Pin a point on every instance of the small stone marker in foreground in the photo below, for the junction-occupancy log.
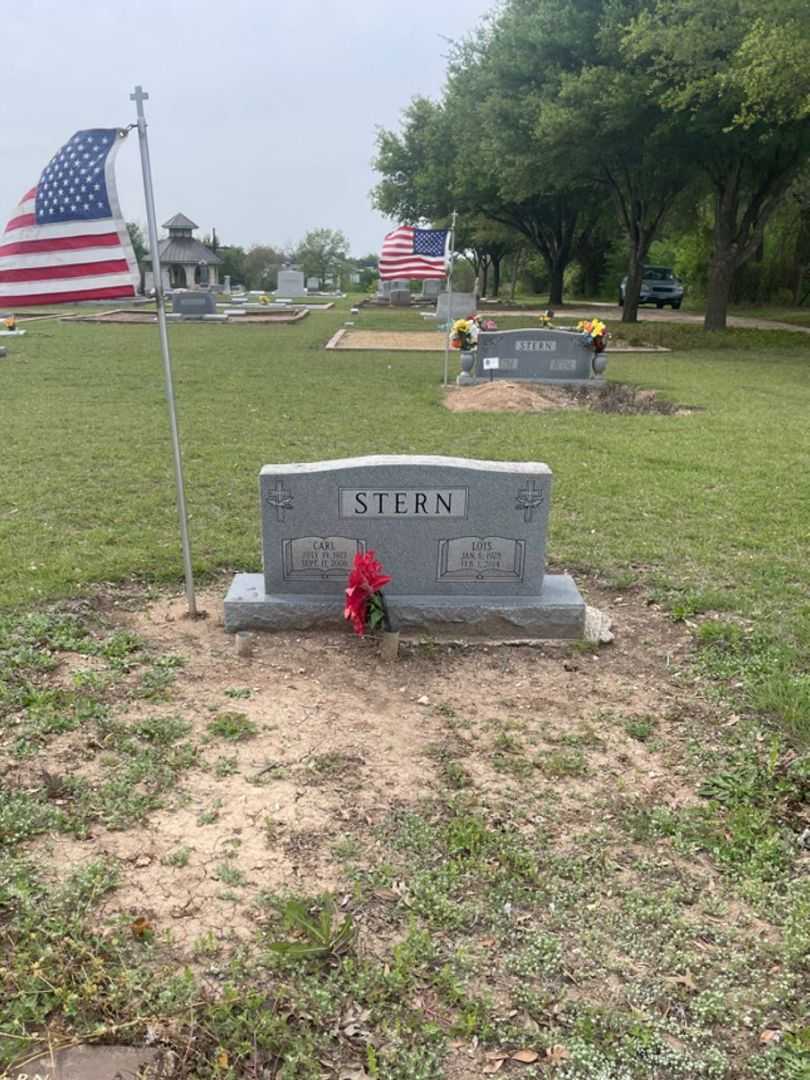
(549, 356)
(194, 305)
(463, 305)
(464, 541)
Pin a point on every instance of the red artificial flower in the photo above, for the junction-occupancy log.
(365, 579)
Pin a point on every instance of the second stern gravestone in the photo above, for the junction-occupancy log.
(464, 541)
(549, 356)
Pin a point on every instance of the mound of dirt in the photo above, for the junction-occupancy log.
(504, 396)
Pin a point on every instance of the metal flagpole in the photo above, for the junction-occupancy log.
(139, 97)
(449, 295)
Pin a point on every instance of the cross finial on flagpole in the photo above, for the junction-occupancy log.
(139, 96)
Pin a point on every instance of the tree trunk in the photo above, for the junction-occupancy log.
(556, 271)
(484, 276)
(496, 275)
(632, 288)
(516, 261)
(721, 278)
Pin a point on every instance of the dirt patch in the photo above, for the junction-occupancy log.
(341, 740)
(508, 396)
(434, 341)
(392, 341)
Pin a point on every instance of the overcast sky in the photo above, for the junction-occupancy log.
(261, 114)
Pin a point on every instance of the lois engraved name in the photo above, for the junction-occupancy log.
(427, 502)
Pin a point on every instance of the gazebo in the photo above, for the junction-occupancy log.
(185, 262)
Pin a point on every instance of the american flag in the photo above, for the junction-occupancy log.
(413, 253)
(67, 240)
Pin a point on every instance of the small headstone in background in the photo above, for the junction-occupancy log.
(431, 288)
(464, 541)
(227, 283)
(400, 297)
(194, 305)
(463, 305)
(313, 284)
(384, 289)
(291, 283)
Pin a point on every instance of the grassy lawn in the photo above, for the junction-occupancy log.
(658, 938)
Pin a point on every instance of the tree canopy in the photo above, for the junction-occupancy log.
(560, 116)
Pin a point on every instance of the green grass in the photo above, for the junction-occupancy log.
(707, 510)
(486, 928)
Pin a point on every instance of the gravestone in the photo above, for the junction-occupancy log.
(464, 541)
(227, 283)
(291, 283)
(400, 297)
(313, 283)
(549, 356)
(431, 288)
(463, 305)
(194, 305)
(384, 289)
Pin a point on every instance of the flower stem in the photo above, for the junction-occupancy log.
(386, 616)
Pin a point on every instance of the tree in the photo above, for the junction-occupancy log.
(261, 266)
(233, 264)
(323, 253)
(710, 68)
(137, 239)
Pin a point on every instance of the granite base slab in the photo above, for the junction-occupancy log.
(558, 612)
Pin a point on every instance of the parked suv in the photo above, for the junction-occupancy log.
(659, 286)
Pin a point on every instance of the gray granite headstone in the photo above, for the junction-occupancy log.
(291, 283)
(384, 289)
(464, 541)
(194, 305)
(462, 306)
(313, 283)
(400, 297)
(431, 288)
(549, 356)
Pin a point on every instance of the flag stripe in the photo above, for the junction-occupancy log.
(8, 292)
(21, 222)
(63, 243)
(66, 240)
(107, 292)
(51, 273)
(399, 258)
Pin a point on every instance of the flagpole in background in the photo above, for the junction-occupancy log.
(452, 245)
(139, 97)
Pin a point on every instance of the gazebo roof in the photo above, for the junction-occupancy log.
(180, 221)
(175, 249)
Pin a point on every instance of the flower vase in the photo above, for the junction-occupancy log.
(466, 377)
(389, 645)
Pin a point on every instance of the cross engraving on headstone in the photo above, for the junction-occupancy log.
(281, 499)
(529, 499)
